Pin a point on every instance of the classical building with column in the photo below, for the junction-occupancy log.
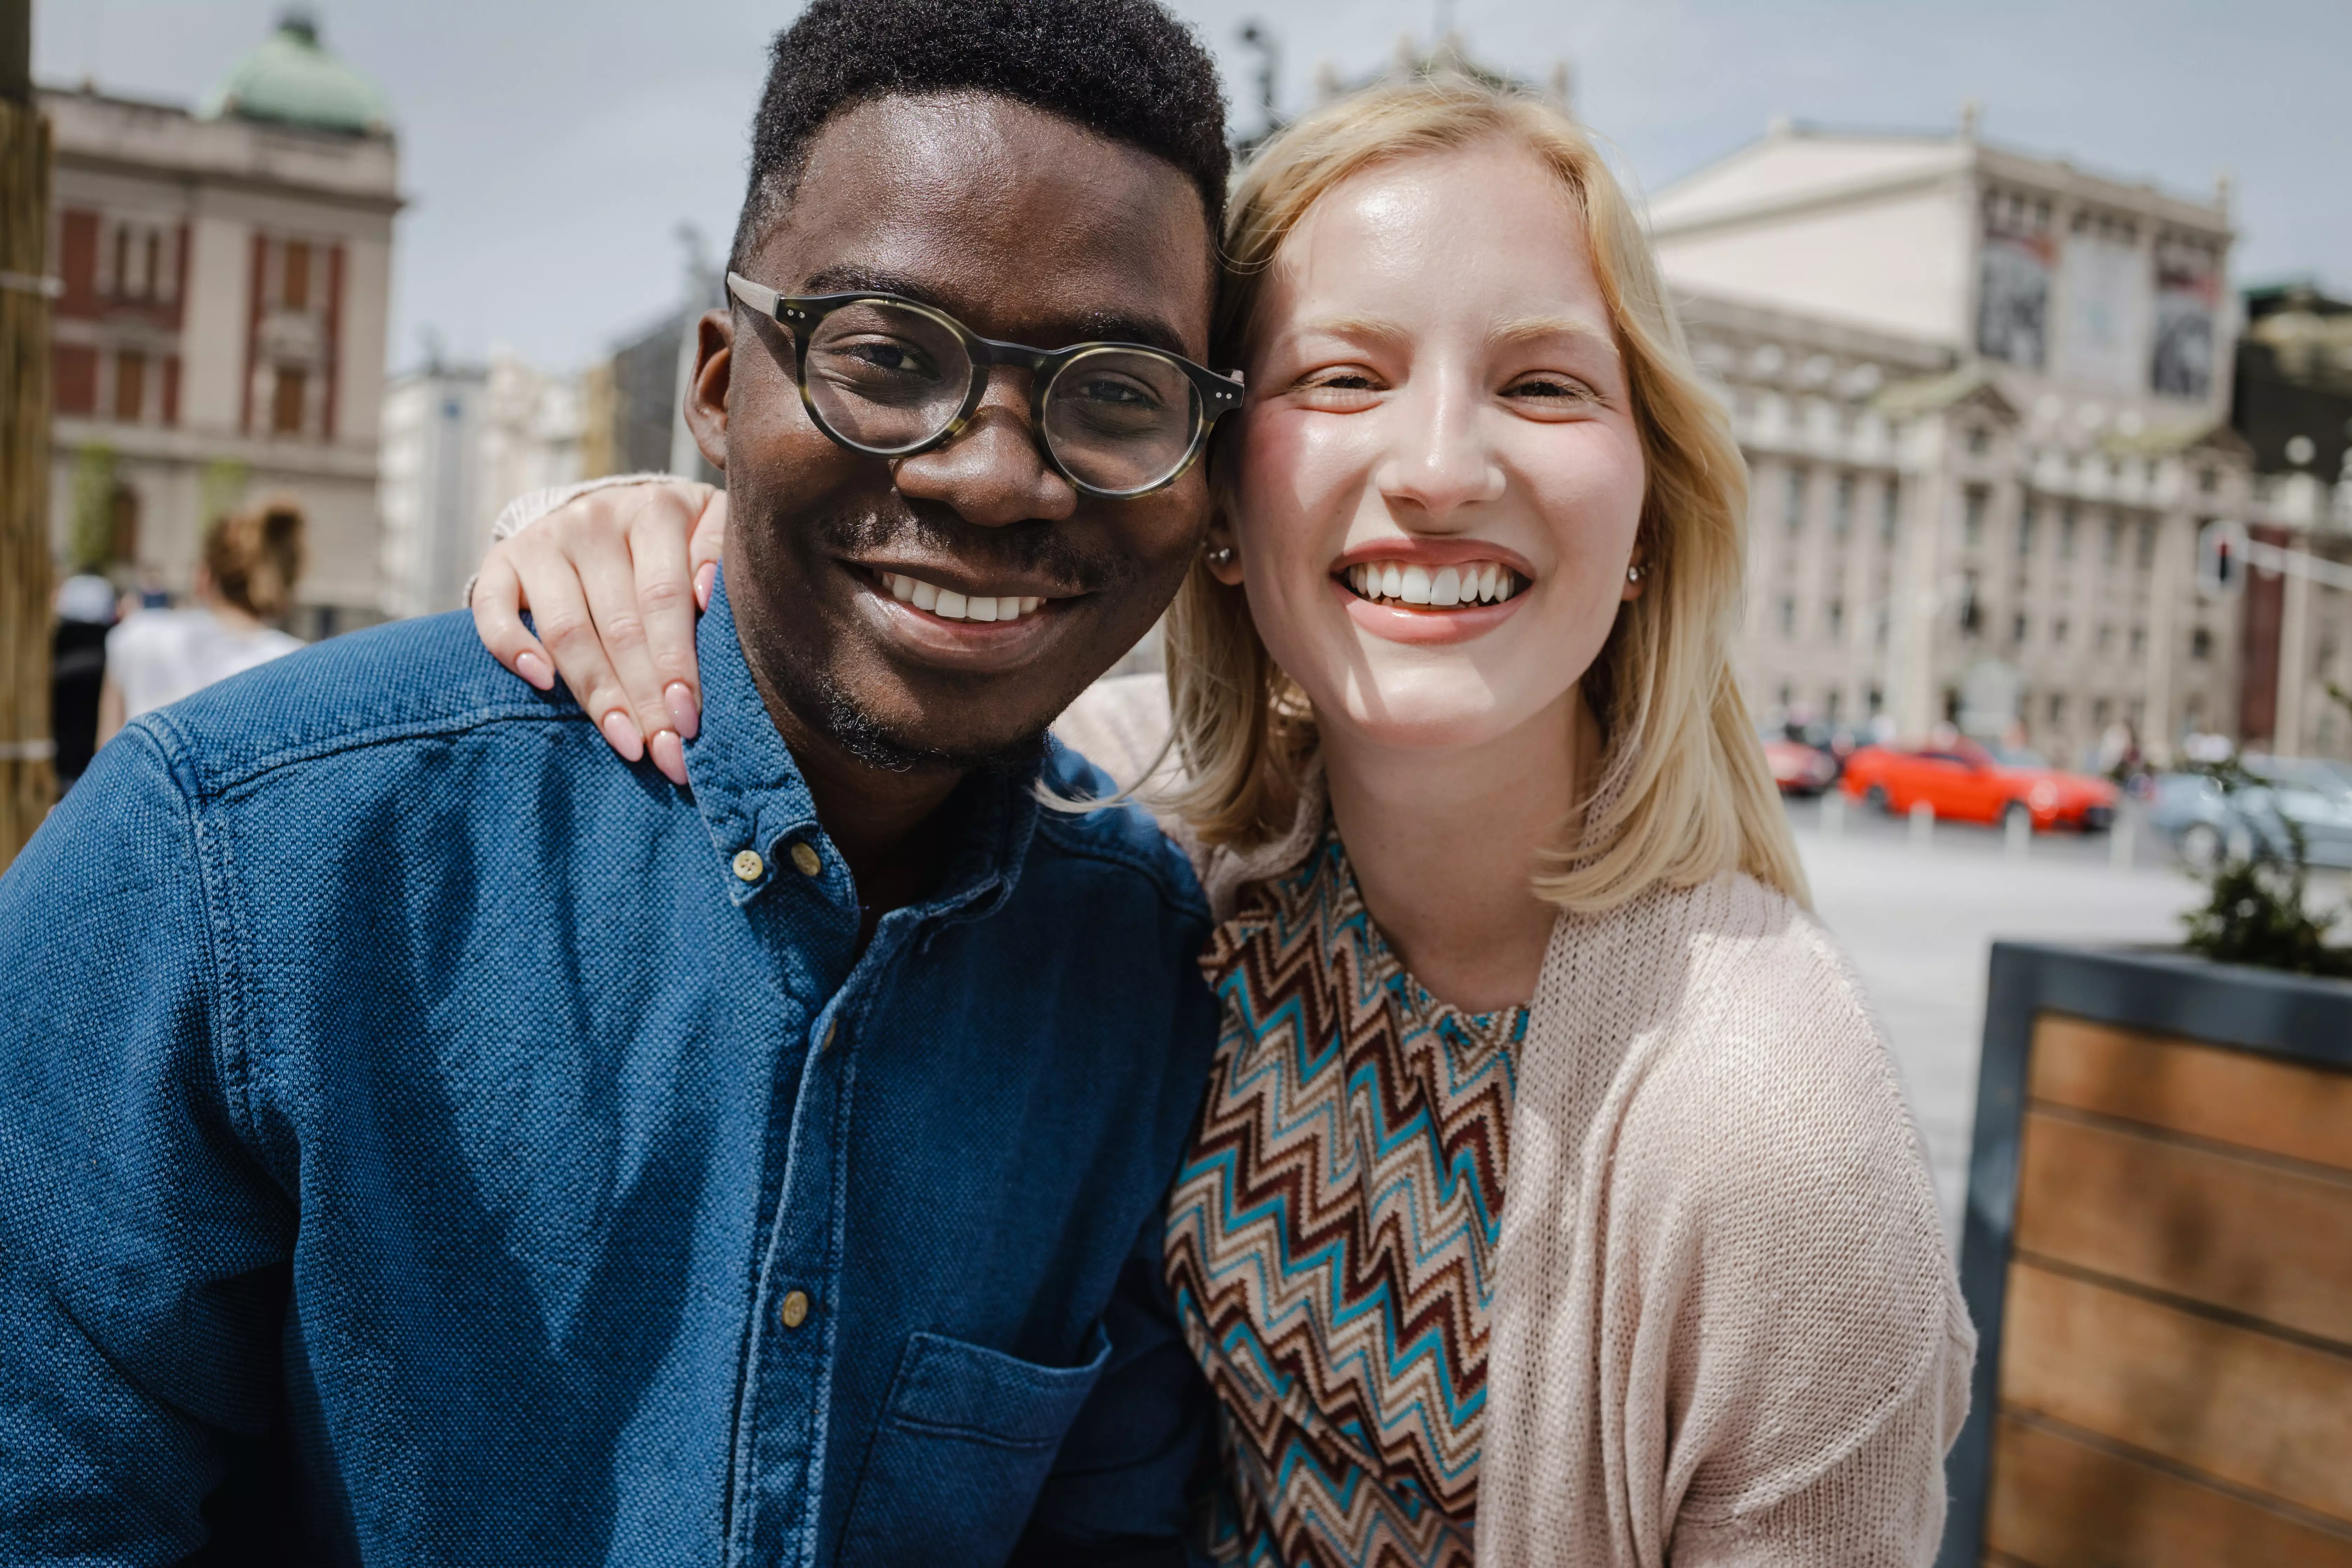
(226, 277)
(1985, 397)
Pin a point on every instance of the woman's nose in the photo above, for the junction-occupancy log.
(992, 472)
(1439, 459)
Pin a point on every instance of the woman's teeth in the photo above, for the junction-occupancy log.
(950, 606)
(1479, 583)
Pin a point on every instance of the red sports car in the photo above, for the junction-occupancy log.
(1964, 782)
(1800, 767)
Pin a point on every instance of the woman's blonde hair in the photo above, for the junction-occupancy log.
(255, 556)
(1683, 794)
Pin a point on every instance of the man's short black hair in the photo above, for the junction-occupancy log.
(1123, 69)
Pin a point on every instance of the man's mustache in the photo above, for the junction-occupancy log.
(1033, 549)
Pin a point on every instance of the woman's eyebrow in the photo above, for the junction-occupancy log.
(1359, 328)
(1527, 328)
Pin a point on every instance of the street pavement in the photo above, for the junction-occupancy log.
(1919, 924)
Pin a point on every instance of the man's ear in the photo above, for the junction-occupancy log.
(705, 396)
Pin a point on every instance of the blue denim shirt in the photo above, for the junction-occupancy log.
(382, 1062)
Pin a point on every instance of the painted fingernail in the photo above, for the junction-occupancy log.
(623, 735)
(533, 669)
(669, 756)
(678, 698)
(703, 579)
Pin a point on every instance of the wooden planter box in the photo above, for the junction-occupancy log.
(2158, 1253)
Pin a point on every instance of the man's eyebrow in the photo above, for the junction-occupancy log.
(1092, 326)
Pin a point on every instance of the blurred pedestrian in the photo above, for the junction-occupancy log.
(84, 611)
(245, 580)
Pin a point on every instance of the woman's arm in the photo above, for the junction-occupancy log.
(613, 577)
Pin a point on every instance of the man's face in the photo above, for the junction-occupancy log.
(1026, 228)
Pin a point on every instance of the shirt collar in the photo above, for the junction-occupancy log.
(752, 796)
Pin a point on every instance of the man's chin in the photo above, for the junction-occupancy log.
(879, 742)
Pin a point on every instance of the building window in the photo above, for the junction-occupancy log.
(1980, 438)
(2058, 632)
(2099, 711)
(295, 289)
(2209, 480)
(2200, 644)
(1794, 503)
(2066, 535)
(1973, 503)
(1842, 518)
(1890, 508)
(2057, 710)
(2114, 551)
(1831, 705)
(1788, 616)
(1877, 701)
(129, 386)
(286, 401)
(2139, 641)
(2146, 546)
(2107, 636)
(2017, 629)
(2026, 517)
(1837, 618)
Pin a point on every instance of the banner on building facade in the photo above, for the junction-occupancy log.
(2103, 342)
(2013, 289)
(2188, 297)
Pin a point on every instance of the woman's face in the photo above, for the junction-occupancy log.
(1438, 479)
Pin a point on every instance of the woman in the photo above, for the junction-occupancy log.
(244, 578)
(1554, 1199)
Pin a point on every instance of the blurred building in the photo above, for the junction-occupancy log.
(220, 334)
(633, 403)
(1985, 397)
(2292, 404)
(459, 442)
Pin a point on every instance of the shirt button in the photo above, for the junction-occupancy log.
(793, 1310)
(747, 865)
(805, 856)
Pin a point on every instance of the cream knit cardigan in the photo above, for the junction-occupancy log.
(1725, 1328)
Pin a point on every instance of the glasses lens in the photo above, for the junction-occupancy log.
(1119, 420)
(884, 377)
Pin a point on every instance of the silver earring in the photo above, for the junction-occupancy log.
(1223, 555)
(1632, 573)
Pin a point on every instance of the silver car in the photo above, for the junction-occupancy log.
(2204, 823)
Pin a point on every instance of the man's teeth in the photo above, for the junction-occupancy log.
(950, 606)
(1478, 582)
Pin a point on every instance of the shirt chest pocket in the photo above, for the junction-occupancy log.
(965, 1442)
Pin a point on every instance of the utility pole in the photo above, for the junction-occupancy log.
(28, 778)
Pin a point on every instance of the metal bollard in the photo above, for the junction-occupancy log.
(1833, 812)
(2017, 829)
(2120, 837)
(1923, 823)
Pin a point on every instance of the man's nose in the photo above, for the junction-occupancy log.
(992, 471)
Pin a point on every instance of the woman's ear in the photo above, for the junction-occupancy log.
(1221, 551)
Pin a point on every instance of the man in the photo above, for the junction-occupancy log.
(416, 1127)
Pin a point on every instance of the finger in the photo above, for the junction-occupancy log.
(708, 547)
(559, 606)
(658, 546)
(496, 605)
(609, 580)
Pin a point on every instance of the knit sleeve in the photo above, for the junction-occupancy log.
(1800, 1328)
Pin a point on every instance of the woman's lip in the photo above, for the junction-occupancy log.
(1396, 623)
(1434, 553)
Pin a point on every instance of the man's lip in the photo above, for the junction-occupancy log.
(962, 581)
(1434, 553)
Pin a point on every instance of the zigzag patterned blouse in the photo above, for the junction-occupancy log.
(1331, 1236)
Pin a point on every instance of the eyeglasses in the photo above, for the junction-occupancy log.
(887, 377)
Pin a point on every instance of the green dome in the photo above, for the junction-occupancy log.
(290, 80)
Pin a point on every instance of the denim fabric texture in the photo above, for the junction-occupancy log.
(405, 1106)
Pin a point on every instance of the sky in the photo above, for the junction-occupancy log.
(551, 150)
